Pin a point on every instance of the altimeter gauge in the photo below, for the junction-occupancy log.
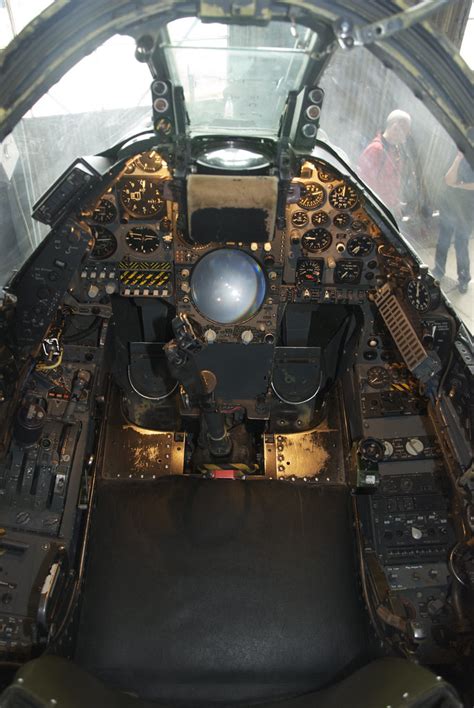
(141, 197)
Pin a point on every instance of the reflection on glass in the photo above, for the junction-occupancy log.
(240, 76)
(407, 170)
(228, 286)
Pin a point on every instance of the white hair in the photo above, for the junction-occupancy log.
(398, 116)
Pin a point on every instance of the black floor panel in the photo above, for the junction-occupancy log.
(214, 590)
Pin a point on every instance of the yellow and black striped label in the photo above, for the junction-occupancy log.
(143, 265)
(137, 279)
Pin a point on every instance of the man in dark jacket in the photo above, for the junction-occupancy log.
(457, 214)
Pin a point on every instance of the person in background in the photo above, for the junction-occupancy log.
(457, 215)
(382, 164)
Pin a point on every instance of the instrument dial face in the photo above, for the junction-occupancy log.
(343, 197)
(341, 220)
(360, 245)
(150, 161)
(325, 176)
(142, 239)
(316, 240)
(378, 377)
(105, 212)
(299, 219)
(347, 271)
(418, 294)
(318, 218)
(141, 197)
(105, 243)
(309, 271)
(313, 196)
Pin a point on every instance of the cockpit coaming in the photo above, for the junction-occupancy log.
(210, 308)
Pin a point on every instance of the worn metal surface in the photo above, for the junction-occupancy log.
(313, 456)
(131, 452)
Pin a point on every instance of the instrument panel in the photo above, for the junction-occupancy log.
(330, 250)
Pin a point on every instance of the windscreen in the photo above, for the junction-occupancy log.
(103, 99)
(401, 152)
(237, 78)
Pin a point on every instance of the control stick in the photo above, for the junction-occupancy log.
(198, 384)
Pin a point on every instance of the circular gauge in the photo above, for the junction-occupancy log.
(319, 218)
(309, 271)
(141, 197)
(360, 245)
(227, 286)
(414, 446)
(343, 197)
(419, 295)
(149, 161)
(347, 271)
(378, 377)
(316, 240)
(105, 243)
(325, 176)
(299, 219)
(105, 212)
(357, 225)
(313, 196)
(142, 239)
(341, 220)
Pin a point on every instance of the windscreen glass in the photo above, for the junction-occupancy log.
(401, 152)
(86, 112)
(235, 78)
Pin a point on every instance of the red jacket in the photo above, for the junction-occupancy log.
(380, 167)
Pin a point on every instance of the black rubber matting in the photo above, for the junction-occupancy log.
(213, 590)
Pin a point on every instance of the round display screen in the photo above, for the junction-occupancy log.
(228, 286)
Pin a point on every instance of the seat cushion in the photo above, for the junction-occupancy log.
(207, 590)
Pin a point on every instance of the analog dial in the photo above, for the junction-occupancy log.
(316, 240)
(318, 218)
(141, 197)
(325, 176)
(142, 239)
(105, 243)
(378, 377)
(343, 197)
(341, 220)
(347, 271)
(309, 271)
(418, 294)
(150, 161)
(312, 196)
(105, 212)
(360, 245)
(299, 218)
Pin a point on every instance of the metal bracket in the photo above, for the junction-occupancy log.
(212, 10)
(350, 35)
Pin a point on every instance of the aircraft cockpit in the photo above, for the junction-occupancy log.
(236, 417)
